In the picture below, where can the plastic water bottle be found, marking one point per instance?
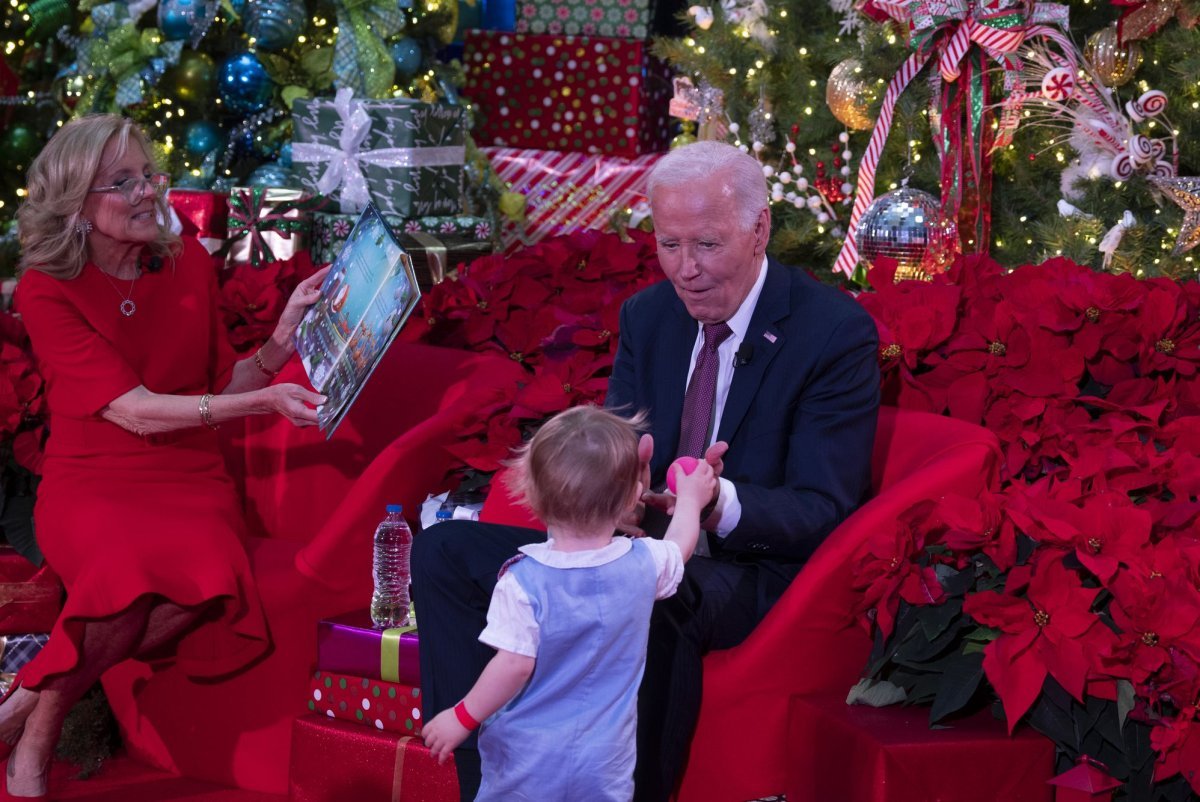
(393, 542)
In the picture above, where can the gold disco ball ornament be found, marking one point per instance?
(908, 225)
(849, 95)
(1113, 62)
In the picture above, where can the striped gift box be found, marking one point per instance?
(567, 192)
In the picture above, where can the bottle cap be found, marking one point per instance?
(395, 508)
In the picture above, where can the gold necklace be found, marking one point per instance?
(128, 307)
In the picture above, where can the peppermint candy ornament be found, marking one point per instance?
(1141, 150)
(1150, 104)
(1059, 84)
(1122, 167)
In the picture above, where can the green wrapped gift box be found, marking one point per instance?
(436, 244)
(404, 156)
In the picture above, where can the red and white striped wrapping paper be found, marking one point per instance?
(567, 192)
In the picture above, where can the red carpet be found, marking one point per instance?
(123, 779)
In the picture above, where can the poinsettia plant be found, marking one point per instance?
(554, 309)
(22, 434)
(1071, 591)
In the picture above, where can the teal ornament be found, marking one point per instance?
(272, 174)
(285, 154)
(238, 6)
(244, 85)
(274, 24)
(185, 19)
(407, 56)
(201, 137)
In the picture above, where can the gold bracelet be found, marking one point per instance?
(258, 361)
(205, 412)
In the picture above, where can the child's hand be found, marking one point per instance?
(699, 486)
(443, 734)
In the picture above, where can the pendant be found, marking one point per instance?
(128, 307)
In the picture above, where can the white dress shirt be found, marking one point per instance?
(728, 512)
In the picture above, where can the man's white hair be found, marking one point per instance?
(706, 161)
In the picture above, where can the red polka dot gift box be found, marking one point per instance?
(374, 703)
(577, 94)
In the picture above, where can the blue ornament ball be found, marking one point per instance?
(407, 56)
(271, 174)
(183, 19)
(200, 137)
(285, 154)
(274, 24)
(244, 85)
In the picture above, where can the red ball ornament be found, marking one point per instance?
(688, 464)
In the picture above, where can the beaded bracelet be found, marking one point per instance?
(205, 413)
(258, 361)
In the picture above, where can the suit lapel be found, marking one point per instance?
(678, 338)
(766, 339)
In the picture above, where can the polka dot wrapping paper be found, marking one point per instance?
(627, 19)
(383, 705)
(568, 93)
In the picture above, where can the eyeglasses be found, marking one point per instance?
(134, 189)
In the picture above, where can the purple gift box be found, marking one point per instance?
(350, 644)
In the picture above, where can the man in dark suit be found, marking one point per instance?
(766, 373)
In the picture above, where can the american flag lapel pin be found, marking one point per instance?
(769, 337)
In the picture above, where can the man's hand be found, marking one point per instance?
(443, 734)
(631, 524)
(714, 456)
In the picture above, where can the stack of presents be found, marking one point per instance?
(570, 108)
(364, 711)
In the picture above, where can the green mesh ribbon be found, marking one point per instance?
(361, 59)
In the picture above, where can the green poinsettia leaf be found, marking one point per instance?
(1125, 701)
(935, 619)
(278, 68)
(291, 93)
(959, 683)
(875, 693)
(317, 64)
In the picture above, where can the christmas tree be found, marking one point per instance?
(212, 82)
(1039, 129)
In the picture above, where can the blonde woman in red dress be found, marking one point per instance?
(135, 510)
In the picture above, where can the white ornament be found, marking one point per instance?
(843, 137)
(768, 170)
(734, 128)
(785, 177)
(702, 15)
(801, 184)
(847, 189)
(1058, 84)
(822, 218)
(790, 147)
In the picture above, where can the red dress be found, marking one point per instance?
(120, 516)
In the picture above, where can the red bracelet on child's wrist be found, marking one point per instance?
(465, 718)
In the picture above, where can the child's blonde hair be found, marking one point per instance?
(580, 469)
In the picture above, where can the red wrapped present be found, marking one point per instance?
(571, 93)
(203, 215)
(855, 753)
(335, 761)
(383, 705)
(30, 597)
(567, 192)
(350, 644)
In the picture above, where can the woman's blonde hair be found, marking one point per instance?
(580, 469)
(58, 184)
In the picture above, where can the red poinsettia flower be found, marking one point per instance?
(490, 441)
(1170, 332)
(581, 378)
(1177, 742)
(1105, 530)
(252, 299)
(892, 569)
(1051, 630)
(1155, 612)
(978, 524)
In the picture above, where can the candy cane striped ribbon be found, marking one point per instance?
(848, 258)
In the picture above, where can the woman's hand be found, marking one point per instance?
(305, 295)
(293, 402)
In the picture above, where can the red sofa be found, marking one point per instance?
(312, 506)
(809, 642)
